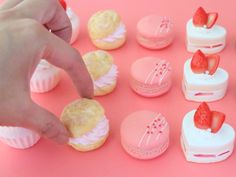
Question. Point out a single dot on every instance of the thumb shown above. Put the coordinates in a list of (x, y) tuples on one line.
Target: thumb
[(47, 124)]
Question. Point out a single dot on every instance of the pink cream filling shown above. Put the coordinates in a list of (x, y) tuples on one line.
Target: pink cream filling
[(203, 94), (210, 155), (209, 47)]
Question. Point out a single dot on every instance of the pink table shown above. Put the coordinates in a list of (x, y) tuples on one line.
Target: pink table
[(48, 159)]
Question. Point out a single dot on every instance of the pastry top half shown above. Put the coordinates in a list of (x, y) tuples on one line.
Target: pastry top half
[(81, 116), (103, 23), (98, 63)]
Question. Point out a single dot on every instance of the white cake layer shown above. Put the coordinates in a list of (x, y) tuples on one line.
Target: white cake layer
[(216, 81), (203, 95), (202, 146), (208, 40)]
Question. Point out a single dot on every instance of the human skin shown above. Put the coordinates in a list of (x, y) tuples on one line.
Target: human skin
[(24, 40)]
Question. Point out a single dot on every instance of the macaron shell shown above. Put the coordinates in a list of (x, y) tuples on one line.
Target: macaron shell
[(145, 132), (151, 70), (81, 116), (154, 26), (98, 63), (103, 24)]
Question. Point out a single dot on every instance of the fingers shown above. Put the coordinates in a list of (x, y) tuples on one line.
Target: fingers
[(61, 54), (46, 124), (7, 4), (22, 112), (47, 12)]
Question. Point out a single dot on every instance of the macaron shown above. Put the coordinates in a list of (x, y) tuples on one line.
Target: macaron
[(86, 122), (155, 32), (150, 76), (145, 134), (102, 70), (45, 77), (106, 30)]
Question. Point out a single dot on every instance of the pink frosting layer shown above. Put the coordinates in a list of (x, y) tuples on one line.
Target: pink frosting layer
[(100, 131), (107, 79)]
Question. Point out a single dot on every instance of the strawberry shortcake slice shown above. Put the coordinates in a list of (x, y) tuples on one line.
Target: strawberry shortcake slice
[(204, 34), (205, 138), (203, 80)]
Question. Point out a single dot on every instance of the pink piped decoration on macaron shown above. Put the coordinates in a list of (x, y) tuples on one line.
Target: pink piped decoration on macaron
[(152, 131), (158, 73)]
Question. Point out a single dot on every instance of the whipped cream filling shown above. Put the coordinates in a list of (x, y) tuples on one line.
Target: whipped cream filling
[(94, 135), (107, 79), (118, 34)]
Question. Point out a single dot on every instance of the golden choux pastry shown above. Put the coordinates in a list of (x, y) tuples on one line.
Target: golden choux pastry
[(102, 70), (106, 30), (87, 124)]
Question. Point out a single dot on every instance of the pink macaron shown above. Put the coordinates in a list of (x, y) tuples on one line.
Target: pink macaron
[(155, 32), (145, 134), (150, 76)]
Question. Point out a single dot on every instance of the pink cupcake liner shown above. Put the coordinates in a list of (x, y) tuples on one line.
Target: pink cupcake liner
[(18, 137), (44, 85)]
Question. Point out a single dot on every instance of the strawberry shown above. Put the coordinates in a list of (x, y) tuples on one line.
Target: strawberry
[(199, 63), (213, 63), (200, 17), (218, 119), (63, 4), (202, 117), (211, 19)]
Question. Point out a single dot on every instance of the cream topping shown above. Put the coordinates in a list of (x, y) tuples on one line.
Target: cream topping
[(94, 135), (118, 34), (107, 79)]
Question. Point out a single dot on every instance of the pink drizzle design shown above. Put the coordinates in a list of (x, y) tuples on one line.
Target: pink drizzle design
[(153, 131), (165, 26), (158, 72)]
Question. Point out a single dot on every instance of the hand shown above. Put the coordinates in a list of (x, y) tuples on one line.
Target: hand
[(24, 41)]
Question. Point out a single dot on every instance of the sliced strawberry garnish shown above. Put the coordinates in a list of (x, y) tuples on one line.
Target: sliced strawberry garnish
[(63, 4), (200, 17), (213, 63), (199, 63), (211, 19), (217, 121), (202, 117)]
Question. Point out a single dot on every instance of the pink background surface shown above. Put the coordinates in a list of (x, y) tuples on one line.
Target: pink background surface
[(48, 159)]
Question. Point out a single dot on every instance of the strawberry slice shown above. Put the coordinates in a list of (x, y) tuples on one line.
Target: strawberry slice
[(200, 17), (199, 63), (202, 117), (211, 19), (218, 119), (213, 63), (63, 4)]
